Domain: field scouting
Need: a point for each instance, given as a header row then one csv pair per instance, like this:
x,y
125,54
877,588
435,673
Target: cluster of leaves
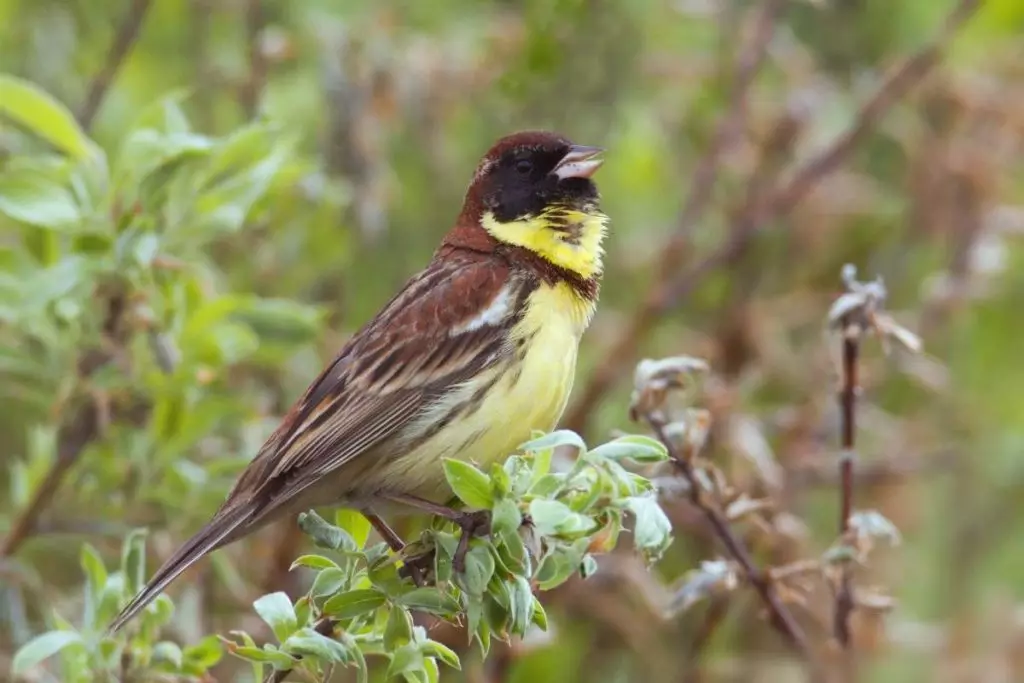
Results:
x,y
546,526
111,301
86,653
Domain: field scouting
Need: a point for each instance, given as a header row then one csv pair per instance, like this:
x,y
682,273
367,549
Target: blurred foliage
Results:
x,y
173,276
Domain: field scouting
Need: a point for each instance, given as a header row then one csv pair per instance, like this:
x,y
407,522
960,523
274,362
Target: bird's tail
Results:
x,y
215,534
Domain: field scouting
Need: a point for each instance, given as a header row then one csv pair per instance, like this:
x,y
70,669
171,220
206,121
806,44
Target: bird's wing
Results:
x,y
447,324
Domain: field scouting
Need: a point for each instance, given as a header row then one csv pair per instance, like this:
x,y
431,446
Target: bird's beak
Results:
x,y
579,162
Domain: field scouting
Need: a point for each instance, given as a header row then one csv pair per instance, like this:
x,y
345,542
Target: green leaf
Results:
x,y
562,437
539,617
307,642
505,517
398,630
353,603
432,648
204,654
472,486
314,562
95,570
327,582
637,447
166,651
652,530
35,199
552,517
279,320
405,659
520,606
479,569
276,610
32,108
561,563
355,523
41,647
431,600
133,561
325,534
588,567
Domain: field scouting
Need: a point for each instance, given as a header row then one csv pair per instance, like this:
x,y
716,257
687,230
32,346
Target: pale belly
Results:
x,y
528,395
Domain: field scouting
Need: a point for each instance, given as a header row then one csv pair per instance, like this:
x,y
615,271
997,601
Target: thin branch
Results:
x,y
88,418
699,198
124,40
782,618
77,433
670,288
848,418
253,87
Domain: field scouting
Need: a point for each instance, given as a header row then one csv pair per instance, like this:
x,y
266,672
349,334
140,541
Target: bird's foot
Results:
x,y
476,523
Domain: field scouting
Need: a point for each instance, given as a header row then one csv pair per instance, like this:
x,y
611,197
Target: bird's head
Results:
x,y
533,190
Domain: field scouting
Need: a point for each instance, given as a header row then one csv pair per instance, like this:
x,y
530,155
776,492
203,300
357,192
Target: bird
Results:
x,y
471,356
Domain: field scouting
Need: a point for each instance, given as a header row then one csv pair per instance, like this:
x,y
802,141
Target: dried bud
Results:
x,y
860,310
714,577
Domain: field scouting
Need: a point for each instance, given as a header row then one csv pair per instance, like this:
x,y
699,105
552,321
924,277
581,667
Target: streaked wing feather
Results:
x,y
392,369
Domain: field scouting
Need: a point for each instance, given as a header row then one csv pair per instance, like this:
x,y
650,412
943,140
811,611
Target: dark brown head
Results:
x,y
527,172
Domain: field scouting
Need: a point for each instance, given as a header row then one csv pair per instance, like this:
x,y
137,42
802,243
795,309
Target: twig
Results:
x,y
253,86
124,39
699,198
669,289
844,606
781,617
81,430
88,419
716,613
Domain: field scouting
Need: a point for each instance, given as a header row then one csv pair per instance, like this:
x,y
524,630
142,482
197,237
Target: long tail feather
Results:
x,y
208,539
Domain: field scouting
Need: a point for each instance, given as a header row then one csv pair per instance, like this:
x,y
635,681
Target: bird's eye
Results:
x,y
524,166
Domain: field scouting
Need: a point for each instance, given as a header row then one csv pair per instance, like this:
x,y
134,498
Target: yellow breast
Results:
x,y
530,393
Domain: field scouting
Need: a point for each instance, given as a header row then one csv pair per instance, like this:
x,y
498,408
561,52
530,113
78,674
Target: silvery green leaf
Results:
x,y
552,517
520,606
431,600
652,531
354,523
353,603
561,563
472,486
432,648
634,447
313,562
327,582
308,643
133,561
325,534
479,569
588,567
276,610
42,647
405,659
398,630
562,437
166,651
505,517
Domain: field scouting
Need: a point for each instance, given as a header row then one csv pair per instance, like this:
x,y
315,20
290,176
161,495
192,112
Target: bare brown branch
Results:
x,y
124,40
782,618
670,288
